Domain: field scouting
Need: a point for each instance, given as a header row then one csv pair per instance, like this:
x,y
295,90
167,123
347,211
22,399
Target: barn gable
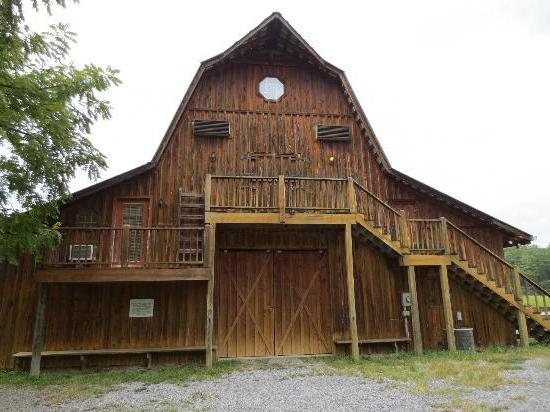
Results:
x,y
275,39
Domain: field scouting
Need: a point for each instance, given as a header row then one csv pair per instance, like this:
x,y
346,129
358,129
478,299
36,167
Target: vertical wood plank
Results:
x,y
210,294
447,307
352,200
351,293
443,234
39,330
415,315
282,200
404,237
207,192
125,247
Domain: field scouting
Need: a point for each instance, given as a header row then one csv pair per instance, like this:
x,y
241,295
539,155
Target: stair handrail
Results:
x,y
533,283
390,219
522,290
387,206
531,290
481,245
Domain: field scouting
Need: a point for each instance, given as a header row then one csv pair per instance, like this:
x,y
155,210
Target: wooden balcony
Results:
x,y
296,200
99,254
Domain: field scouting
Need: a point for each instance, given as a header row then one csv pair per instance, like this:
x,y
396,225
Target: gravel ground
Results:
x,y
296,386
533,394
23,399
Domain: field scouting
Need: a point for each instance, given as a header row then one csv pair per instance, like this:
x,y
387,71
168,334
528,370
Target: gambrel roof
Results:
x,y
276,30
288,39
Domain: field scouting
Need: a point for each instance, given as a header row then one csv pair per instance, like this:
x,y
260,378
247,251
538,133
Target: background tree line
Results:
x,y
533,261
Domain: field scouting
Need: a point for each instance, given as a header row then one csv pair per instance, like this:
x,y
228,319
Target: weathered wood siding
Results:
x,y
490,326
95,316
379,282
18,297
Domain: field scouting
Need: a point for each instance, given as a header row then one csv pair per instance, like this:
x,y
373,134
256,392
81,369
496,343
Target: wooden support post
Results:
x,y
352,200
520,316
522,327
444,237
39,329
447,307
517,284
405,237
209,330
415,315
83,362
149,360
351,293
207,192
282,199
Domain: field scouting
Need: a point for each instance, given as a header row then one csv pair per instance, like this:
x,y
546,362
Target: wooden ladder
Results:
x,y
191,219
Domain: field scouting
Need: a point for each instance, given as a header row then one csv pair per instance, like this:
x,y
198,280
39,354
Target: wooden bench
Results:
x,y
395,341
83,353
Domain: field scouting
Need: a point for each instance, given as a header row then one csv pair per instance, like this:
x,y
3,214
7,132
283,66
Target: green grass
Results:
x,y
468,370
461,372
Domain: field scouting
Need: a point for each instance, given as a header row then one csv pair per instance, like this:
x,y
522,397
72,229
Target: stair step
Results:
x,y
183,217
192,206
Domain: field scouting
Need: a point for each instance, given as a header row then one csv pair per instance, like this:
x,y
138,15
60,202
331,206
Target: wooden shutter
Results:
x,y
215,128
333,133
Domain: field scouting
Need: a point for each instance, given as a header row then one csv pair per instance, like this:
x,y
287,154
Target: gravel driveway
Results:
x,y
295,385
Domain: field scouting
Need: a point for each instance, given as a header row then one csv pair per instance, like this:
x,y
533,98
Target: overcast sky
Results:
x,y
458,92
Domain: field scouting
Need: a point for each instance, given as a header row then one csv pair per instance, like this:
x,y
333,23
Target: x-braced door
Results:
x,y
273,303
245,303
302,302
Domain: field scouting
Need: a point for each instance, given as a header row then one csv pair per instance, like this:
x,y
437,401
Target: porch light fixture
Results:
x,y
331,160
213,157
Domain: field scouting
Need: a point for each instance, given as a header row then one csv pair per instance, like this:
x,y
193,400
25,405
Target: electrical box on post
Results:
x,y
406,299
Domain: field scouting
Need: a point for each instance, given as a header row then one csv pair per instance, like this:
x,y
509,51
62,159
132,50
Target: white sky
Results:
x,y
458,92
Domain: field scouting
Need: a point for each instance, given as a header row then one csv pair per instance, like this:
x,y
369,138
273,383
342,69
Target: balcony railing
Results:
x,y
284,194
119,247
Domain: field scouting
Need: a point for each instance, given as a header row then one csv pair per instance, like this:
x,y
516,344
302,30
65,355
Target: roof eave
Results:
x,y
520,235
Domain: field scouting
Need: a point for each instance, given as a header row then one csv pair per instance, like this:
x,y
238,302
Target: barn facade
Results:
x,y
268,223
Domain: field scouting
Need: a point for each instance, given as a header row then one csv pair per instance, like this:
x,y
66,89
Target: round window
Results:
x,y
271,88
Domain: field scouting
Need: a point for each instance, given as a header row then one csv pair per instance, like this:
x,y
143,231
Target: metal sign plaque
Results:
x,y
141,308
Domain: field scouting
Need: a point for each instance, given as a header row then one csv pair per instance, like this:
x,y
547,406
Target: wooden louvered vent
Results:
x,y
333,133
219,128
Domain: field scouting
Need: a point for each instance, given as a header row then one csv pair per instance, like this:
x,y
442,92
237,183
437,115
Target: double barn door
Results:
x,y
273,303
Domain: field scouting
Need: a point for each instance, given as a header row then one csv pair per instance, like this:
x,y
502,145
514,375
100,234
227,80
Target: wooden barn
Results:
x,y
268,223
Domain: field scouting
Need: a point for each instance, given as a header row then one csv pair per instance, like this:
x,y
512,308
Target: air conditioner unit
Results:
x,y
81,253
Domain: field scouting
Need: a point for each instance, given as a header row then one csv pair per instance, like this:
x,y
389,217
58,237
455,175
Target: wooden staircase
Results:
x,y
504,286
479,269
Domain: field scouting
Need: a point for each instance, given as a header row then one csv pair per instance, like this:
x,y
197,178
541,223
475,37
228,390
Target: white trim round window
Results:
x,y
271,88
